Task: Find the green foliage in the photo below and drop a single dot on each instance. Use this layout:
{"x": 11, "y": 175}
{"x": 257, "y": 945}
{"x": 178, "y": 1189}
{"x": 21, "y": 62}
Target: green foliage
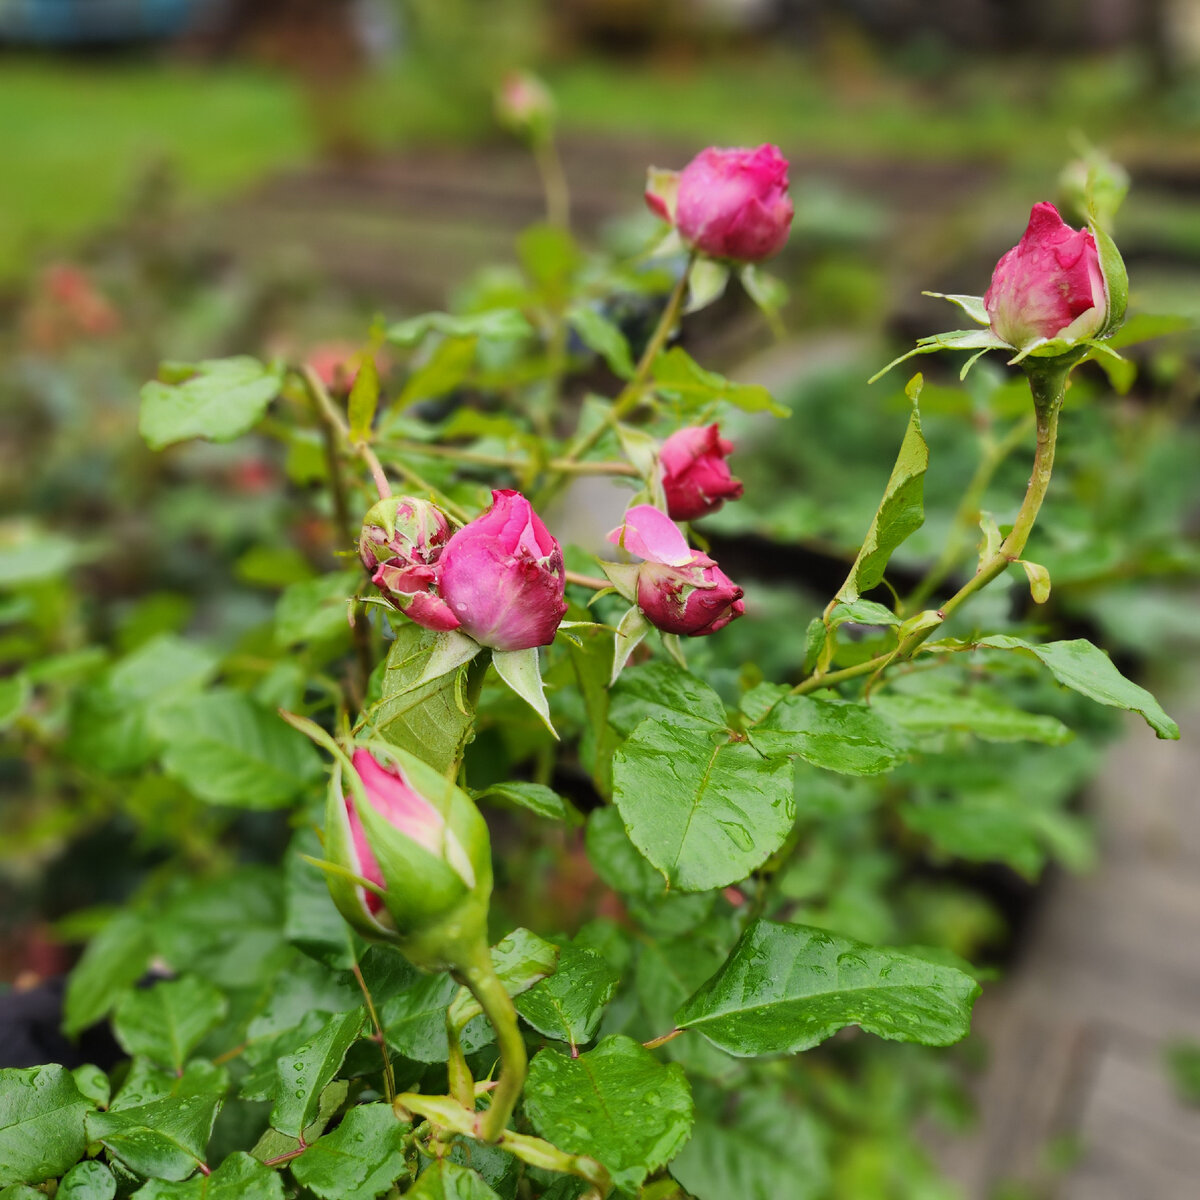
{"x": 41, "y": 1123}
{"x": 219, "y": 400}
{"x": 788, "y": 987}
{"x": 616, "y": 1103}
{"x": 358, "y": 1160}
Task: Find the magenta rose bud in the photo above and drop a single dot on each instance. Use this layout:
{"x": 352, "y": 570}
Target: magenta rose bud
{"x": 696, "y": 478}
{"x": 502, "y": 576}
{"x": 679, "y": 590}
{"x": 403, "y": 808}
{"x": 730, "y": 204}
{"x": 1049, "y": 285}
{"x": 401, "y": 543}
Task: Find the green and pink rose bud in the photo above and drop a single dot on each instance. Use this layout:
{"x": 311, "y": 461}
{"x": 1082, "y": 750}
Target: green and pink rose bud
{"x": 401, "y": 542}
{"x": 501, "y": 576}
{"x": 728, "y": 204}
{"x": 524, "y": 105}
{"x": 695, "y": 476}
{"x": 678, "y": 589}
{"x": 411, "y": 856}
{"x": 1055, "y": 284}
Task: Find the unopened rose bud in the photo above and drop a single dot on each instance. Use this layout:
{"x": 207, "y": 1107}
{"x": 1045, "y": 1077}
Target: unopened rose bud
{"x": 695, "y": 476}
{"x": 1049, "y": 285}
{"x": 394, "y": 822}
{"x": 679, "y": 590}
{"x": 336, "y": 365}
{"x": 502, "y": 576}
{"x": 524, "y": 105}
{"x": 401, "y": 543}
{"x": 728, "y": 204}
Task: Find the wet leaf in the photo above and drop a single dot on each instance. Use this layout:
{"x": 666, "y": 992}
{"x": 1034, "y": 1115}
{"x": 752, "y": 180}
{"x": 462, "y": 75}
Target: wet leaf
{"x": 704, "y": 811}
{"x": 445, "y": 1180}
{"x": 568, "y": 1004}
{"x": 1086, "y": 669}
{"x": 789, "y": 987}
{"x": 41, "y": 1124}
{"x": 239, "y": 1177}
{"x": 166, "y": 1138}
{"x": 838, "y": 735}
{"x": 617, "y": 1104}
{"x": 360, "y": 1159}
{"x": 87, "y": 1181}
{"x": 304, "y": 1075}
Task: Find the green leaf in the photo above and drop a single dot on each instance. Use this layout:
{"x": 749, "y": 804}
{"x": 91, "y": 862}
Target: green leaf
{"x": 414, "y": 1021}
{"x": 93, "y": 1084}
{"x": 1183, "y": 1065}
{"x": 113, "y": 962}
{"x": 311, "y": 921}
{"x": 273, "y": 1144}
{"x": 227, "y": 750}
{"x": 444, "y": 1180}
{"x": 315, "y": 610}
{"x": 219, "y": 399}
{"x": 1039, "y": 580}
{"x": 568, "y": 1005}
{"x": 534, "y": 797}
{"x": 681, "y": 380}
{"x": 768, "y": 292}
{"x": 598, "y": 333}
{"x": 420, "y": 711}
{"x": 519, "y": 669}
{"x": 617, "y": 1104}
{"x": 987, "y": 717}
{"x": 1086, "y": 669}
{"x": 364, "y": 399}
{"x": 767, "y": 1150}
{"x": 14, "y": 695}
{"x": 304, "y": 1075}
{"x": 448, "y": 366}
{"x": 862, "y": 612}
{"x": 705, "y": 812}
{"x": 521, "y": 959}
{"x": 667, "y": 693}
{"x": 147, "y": 1083}
{"x": 972, "y": 305}
{"x": 239, "y": 1177}
{"x": 166, "y": 1138}
{"x": 901, "y": 512}
{"x": 41, "y": 1124}
{"x": 166, "y": 1022}
{"x": 788, "y": 987}
{"x": 500, "y": 324}
{"x": 87, "y": 1181}
{"x": 838, "y": 735}
{"x": 359, "y": 1160}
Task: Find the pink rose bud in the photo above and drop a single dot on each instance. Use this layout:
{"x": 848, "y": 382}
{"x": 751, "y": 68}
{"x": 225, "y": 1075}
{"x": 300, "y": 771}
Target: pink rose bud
{"x": 401, "y": 543}
{"x": 403, "y": 808}
{"x": 730, "y": 204}
{"x": 394, "y": 822}
{"x": 679, "y": 590}
{"x": 502, "y": 576}
{"x": 696, "y": 477}
{"x": 1049, "y": 285}
{"x": 335, "y": 364}
{"x": 524, "y": 104}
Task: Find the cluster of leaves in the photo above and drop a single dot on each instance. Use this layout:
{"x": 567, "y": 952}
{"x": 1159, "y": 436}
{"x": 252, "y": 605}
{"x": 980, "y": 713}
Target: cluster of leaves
{"x": 694, "y": 880}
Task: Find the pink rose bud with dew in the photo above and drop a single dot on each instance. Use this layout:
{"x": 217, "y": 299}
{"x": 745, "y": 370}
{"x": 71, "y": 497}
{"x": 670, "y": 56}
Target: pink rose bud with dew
{"x": 1049, "y": 285}
{"x": 728, "y": 204}
{"x": 401, "y": 543}
{"x": 502, "y": 576}
{"x": 679, "y": 590}
{"x": 696, "y": 478}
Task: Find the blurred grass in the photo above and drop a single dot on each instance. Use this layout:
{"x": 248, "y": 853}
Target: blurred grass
{"x": 75, "y": 139}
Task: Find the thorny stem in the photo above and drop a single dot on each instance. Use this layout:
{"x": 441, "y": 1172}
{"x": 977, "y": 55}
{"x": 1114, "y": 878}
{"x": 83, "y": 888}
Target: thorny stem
{"x": 631, "y": 394}
{"x": 497, "y": 1005}
{"x": 1048, "y": 384}
{"x": 389, "y": 1078}
{"x": 331, "y": 425}
{"x": 967, "y": 515}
